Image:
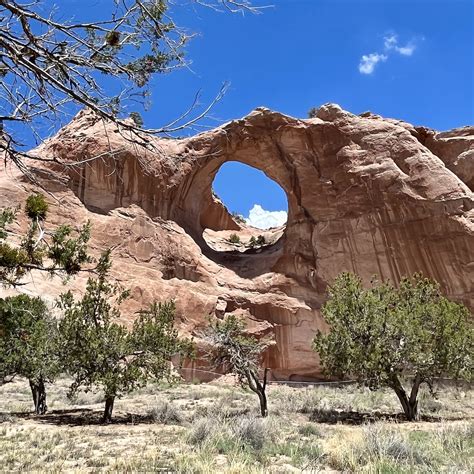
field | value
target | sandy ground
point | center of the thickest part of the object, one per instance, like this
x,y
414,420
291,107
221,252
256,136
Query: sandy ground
x,y
217,428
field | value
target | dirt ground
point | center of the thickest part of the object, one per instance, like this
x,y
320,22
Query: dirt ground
x,y
210,428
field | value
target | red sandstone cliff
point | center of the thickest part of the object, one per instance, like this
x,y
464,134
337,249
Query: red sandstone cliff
x,y
366,194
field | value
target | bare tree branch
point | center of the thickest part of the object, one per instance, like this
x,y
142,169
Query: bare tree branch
x,y
49,68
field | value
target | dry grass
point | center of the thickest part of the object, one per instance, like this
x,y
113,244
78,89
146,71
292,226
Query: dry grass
x,y
208,429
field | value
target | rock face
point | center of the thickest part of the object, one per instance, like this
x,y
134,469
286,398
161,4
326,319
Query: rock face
x,y
365,194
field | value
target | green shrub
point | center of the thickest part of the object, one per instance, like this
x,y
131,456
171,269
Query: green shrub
x,y
36,207
234,239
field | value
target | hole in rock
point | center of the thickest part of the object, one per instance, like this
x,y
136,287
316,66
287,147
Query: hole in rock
x,y
252,210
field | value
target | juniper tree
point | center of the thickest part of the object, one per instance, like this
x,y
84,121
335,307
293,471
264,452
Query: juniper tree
x,y
381,335
231,348
99,351
60,251
28,345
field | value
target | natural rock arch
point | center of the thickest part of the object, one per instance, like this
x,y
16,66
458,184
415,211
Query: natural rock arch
x,y
365,194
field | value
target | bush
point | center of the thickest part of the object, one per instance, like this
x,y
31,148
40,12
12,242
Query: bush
x,y
230,435
234,239
36,207
381,449
250,431
310,429
202,430
166,414
254,242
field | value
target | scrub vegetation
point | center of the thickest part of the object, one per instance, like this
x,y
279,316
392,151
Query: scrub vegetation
x,y
217,428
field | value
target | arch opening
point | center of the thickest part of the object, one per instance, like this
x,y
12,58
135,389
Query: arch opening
x,y
255,209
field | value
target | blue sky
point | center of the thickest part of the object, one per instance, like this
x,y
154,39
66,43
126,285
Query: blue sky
x,y
298,54
303,53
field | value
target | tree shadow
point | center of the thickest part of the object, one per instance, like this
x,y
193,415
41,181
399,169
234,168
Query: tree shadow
x,y
78,417
350,417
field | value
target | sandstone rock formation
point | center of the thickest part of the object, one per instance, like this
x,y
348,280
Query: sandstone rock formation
x,y
365,194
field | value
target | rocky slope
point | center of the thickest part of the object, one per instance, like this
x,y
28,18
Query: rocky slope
x,y
371,195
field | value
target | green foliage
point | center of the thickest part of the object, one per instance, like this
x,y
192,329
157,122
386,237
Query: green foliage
x,y
98,351
313,112
137,119
36,207
256,242
63,250
234,239
7,216
28,340
69,253
13,262
232,349
382,333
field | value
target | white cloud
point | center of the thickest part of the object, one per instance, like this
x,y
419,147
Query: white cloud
x,y
391,43
263,219
407,50
369,61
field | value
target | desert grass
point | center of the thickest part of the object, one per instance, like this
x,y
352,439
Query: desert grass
x,y
210,428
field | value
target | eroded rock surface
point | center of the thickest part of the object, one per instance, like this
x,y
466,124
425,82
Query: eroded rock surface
x,y
365,194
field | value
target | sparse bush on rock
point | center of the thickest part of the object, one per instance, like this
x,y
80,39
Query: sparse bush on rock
x,y
234,239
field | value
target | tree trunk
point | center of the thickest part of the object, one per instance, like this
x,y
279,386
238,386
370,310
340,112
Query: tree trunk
x,y
109,407
409,405
263,402
263,395
255,385
259,389
39,396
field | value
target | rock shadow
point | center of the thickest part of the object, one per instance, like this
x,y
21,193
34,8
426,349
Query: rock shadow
x,y
249,264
